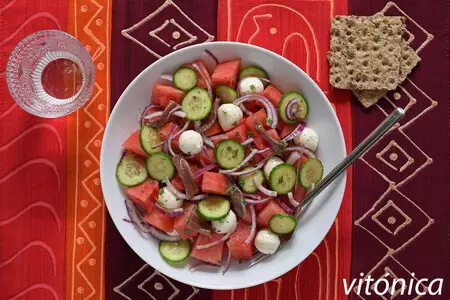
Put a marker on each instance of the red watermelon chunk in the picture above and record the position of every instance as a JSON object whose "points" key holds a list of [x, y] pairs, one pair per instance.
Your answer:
{"points": [[287, 129], [181, 222], [133, 144], [261, 143], [239, 133], [272, 208], [236, 244], [250, 121], [212, 255], [226, 73], [162, 94], [207, 158], [144, 194], [214, 183], [159, 220], [273, 94], [164, 133], [214, 129]]}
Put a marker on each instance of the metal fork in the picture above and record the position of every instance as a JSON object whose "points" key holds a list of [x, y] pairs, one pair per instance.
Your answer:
{"points": [[362, 148]]}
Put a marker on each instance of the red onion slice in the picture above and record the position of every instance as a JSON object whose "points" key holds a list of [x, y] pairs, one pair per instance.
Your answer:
{"points": [[218, 137], [285, 207], [248, 158], [292, 201], [263, 190], [136, 217], [211, 118], [204, 266], [298, 130], [247, 141], [179, 194], [212, 56], [168, 144], [217, 242], [303, 150], [245, 110], [183, 129], [251, 201], [207, 168], [246, 172], [146, 110], [253, 229], [177, 113], [205, 78], [162, 236], [292, 158], [227, 261], [207, 141], [252, 196], [272, 117], [169, 212], [167, 77]]}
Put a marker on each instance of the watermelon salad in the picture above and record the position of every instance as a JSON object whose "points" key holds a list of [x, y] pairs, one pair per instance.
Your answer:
{"points": [[221, 161]]}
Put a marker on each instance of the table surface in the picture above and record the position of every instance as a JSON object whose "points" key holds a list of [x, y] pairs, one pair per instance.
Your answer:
{"points": [[56, 238]]}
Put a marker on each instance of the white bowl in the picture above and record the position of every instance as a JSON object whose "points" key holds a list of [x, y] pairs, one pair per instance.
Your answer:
{"points": [[313, 224]]}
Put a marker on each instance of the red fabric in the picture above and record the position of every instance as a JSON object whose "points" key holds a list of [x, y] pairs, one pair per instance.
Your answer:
{"points": [[298, 30], [32, 172]]}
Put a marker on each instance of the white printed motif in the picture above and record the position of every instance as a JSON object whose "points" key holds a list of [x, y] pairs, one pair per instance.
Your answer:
{"points": [[400, 218], [180, 35]]}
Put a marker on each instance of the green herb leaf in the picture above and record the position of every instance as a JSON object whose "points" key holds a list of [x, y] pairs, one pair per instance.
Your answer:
{"points": [[250, 133], [237, 133], [186, 231], [252, 87], [234, 124], [161, 191]]}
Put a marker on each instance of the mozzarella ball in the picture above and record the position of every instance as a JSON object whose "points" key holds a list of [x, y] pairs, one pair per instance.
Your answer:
{"points": [[229, 116], [191, 142], [266, 241], [308, 139], [270, 164], [168, 199], [225, 225], [250, 85]]}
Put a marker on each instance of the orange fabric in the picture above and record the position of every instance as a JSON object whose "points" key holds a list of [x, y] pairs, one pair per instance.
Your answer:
{"points": [[299, 30], [89, 22]]}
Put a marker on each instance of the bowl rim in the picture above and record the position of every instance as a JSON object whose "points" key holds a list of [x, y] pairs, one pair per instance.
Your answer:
{"points": [[343, 180]]}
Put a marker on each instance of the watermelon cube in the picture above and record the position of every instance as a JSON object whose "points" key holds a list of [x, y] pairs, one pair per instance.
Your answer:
{"points": [[226, 73], [159, 220], [236, 244], [272, 208], [260, 142], [133, 144], [144, 194], [214, 183], [273, 94], [212, 255], [162, 94], [250, 121], [181, 223]]}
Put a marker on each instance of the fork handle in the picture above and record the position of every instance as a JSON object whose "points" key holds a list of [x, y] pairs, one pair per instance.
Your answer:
{"points": [[374, 137]]}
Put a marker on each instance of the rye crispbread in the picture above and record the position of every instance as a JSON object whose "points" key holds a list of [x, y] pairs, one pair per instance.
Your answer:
{"points": [[365, 52]]}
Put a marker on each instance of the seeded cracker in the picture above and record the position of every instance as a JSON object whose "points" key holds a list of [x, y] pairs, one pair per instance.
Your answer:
{"points": [[365, 52], [408, 60]]}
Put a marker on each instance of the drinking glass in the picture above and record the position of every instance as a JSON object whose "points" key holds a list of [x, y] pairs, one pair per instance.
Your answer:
{"points": [[50, 74]]}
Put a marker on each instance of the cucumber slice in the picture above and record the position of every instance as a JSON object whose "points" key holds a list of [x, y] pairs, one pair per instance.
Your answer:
{"points": [[282, 178], [310, 172], [246, 181], [197, 104], [229, 153], [148, 137], [185, 78], [175, 251], [214, 208], [282, 223], [302, 104], [160, 166], [254, 71], [227, 94], [131, 170]]}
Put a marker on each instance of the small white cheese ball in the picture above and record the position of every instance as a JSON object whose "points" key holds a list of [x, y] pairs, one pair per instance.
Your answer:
{"points": [[229, 116], [270, 164], [266, 241], [225, 225], [168, 199], [308, 139], [250, 85], [191, 142]]}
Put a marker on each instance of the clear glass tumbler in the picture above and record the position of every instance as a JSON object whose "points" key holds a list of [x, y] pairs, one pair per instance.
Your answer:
{"points": [[50, 74]]}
